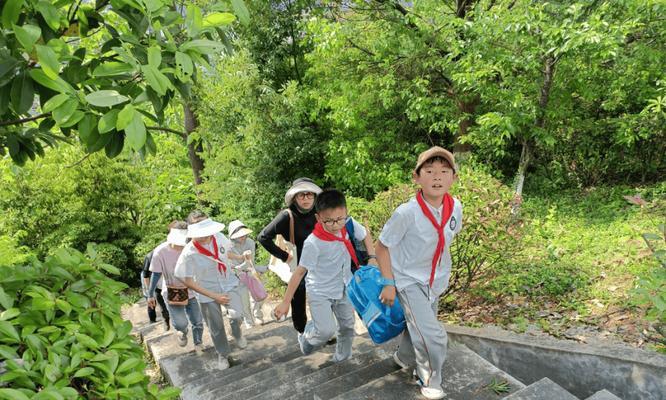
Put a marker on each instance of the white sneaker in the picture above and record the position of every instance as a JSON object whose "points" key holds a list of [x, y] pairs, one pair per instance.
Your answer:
{"points": [[248, 325], [182, 339], [242, 342], [223, 362], [432, 393], [198, 348], [398, 361], [259, 321]]}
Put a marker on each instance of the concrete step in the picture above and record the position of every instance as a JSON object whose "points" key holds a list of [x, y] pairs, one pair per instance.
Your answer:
{"points": [[466, 376], [279, 379], [603, 395], [543, 389], [271, 341]]}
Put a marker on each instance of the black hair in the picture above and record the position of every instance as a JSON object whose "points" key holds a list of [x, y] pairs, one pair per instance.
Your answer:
{"points": [[432, 160], [196, 216], [328, 199]]}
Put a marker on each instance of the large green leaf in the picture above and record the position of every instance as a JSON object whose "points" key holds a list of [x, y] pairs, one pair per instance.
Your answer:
{"points": [[125, 117], [7, 67], [11, 12], [58, 84], [108, 121], [135, 132], [105, 98], [115, 145], [154, 56], [241, 11], [6, 301], [218, 19], [22, 94], [193, 20], [27, 35], [157, 80], [62, 114], [55, 102], [50, 14], [112, 68], [12, 394], [8, 331], [202, 46], [86, 127], [48, 60], [184, 67]]}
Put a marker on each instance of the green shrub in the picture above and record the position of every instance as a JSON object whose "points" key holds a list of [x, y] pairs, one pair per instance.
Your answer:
{"points": [[61, 334]]}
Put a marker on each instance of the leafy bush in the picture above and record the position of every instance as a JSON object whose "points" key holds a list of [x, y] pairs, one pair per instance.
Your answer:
{"points": [[61, 334]]}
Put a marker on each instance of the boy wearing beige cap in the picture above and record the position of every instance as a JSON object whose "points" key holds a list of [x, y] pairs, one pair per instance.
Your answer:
{"points": [[413, 252]]}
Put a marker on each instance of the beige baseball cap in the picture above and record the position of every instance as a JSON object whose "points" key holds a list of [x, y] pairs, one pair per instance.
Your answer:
{"points": [[436, 151]]}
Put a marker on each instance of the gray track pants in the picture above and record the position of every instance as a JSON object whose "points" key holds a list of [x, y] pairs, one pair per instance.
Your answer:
{"points": [[424, 341], [212, 314]]}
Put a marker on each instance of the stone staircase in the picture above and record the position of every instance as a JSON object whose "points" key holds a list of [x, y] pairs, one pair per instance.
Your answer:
{"points": [[272, 367]]}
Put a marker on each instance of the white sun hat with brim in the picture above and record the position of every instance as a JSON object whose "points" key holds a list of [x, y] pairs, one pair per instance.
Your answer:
{"points": [[206, 227], [177, 237], [237, 229], [301, 185]]}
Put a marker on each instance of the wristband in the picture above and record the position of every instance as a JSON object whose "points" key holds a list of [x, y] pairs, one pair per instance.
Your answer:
{"points": [[372, 256], [386, 282]]}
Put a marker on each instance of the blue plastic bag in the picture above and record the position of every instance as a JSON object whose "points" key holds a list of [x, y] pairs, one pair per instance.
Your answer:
{"points": [[383, 322]]}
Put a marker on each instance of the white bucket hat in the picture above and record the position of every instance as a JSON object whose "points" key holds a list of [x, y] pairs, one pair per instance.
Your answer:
{"points": [[301, 185], [206, 227], [177, 237], [238, 229]]}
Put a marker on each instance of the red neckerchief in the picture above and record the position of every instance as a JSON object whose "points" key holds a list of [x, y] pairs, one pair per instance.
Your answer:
{"points": [[439, 227], [326, 236], [220, 265]]}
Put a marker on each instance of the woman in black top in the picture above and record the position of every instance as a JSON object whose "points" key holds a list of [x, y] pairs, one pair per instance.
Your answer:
{"points": [[300, 200]]}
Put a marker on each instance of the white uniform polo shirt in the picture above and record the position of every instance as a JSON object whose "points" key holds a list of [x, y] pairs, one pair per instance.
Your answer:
{"points": [[203, 270], [412, 240], [328, 264]]}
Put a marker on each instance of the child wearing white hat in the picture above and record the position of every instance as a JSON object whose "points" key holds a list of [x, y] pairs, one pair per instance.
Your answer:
{"points": [[163, 265], [205, 267], [242, 260]]}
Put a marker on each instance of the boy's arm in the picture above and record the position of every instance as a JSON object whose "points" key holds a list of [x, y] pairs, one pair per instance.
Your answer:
{"points": [[296, 277], [369, 245], [387, 296], [218, 297]]}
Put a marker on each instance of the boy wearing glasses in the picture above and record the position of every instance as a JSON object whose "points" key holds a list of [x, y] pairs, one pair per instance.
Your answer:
{"points": [[326, 258], [415, 261]]}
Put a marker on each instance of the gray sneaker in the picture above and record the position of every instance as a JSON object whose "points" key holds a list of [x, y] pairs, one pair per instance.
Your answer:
{"points": [[182, 339], [223, 362]]}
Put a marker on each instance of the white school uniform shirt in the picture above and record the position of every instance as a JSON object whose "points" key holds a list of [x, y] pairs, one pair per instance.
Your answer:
{"points": [[328, 264], [203, 270], [412, 239]]}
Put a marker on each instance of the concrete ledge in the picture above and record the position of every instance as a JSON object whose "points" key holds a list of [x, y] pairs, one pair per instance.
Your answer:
{"points": [[631, 374]]}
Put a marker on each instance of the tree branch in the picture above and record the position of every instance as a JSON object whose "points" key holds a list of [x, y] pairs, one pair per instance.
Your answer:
{"points": [[24, 120], [183, 135]]}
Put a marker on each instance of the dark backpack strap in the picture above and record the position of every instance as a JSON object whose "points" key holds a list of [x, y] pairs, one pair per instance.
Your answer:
{"points": [[350, 231]]}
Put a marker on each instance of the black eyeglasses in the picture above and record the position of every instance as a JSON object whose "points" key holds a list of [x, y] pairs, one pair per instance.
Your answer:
{"points": [[304, 195], [331, 222]]}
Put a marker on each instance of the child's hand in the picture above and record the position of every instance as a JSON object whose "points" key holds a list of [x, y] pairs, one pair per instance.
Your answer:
{"points": [[151, 302], [281, 310], [289, 258], [221, 298], [387, 296]]}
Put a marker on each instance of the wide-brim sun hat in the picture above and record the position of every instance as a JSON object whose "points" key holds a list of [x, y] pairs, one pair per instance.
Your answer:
{"points": [[237, 229], [206, 227], [177, 237], [301, 185], [436, 151]]}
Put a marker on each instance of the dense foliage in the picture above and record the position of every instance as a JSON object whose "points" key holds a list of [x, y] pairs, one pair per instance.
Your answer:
{"points": [[61, 334]]}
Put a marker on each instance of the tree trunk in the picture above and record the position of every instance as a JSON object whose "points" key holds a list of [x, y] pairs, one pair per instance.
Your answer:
{"points": [[467, 108], [194, 147], [539, 123]]}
